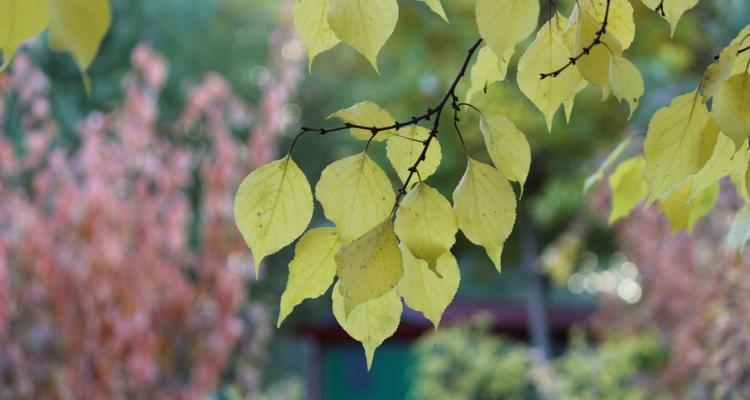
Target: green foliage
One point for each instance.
(469, 362)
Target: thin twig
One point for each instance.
(432, 114)
(586, 50)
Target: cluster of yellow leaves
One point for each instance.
(691, 144)
(77, 26)
(364, 25)
(376, 256)
(385, 248)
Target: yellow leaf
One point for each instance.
(426, 292)
(547, 53)
(371, 323)
(364, 24)
(673, 9)
(505, 23)
(487, 70)
(273, 206)
(312, 270)
(604, 166)
(367, 114)
(724, 159)
(740, 175)
(486, 208)
(79, 26)
(426, 223)
(595, 66)
(682, 213)
(311, 21)
(626, 82)
(508, 147)
(720, 70)
(20, 20)
(437, 8)
(370, 266)
(356, 195)
(629, 187)
(680, 140)
(742, 61)
(731, 107)
(620, 23)
(404, 149)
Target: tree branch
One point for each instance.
(586, 50)
(432, 114)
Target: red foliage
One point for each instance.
(102, 294)
(696, 291)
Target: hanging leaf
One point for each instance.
(273, 206)
(437, 8)
(426, 292)
(371, 323)
(488, 69)
(20, 20)
(547, 53)
(426, 224)
(311, 21)
(367, 114)
(486, 208)
(505, 23)
(731, 108)
(672, 9)
(508, 147)
(626, 82)
(628, 186)
(312, 270)
(404, 149)
(356, 195)
(79, 26)
(364, 24)
(680, 140)
(369, 266)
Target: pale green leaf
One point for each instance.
(404, 149)
(626, 82)
(312, 270)
(311, 21)
(273, 206)
(486, 208)
(370, 115)
(507, 146)
(731, 107)
(79, 26)
(364, 24)
(437, 8)
(371, 323)
(20, 20)
(628, 186)
(356, 195)
(680, 140)
(683, 213)
(488, 69)
(505, 23)
(426, 292)
(673, 9)
(426, 223)
(370, 266)
(547, 53)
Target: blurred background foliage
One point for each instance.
(235, 68)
